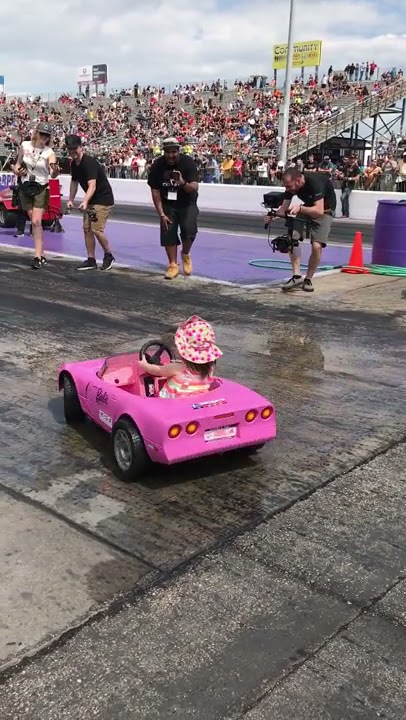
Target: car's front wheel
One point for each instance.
(71, 403)
(129, 450)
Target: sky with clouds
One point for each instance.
(44, 43)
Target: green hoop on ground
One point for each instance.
(390, 270)
(387, 270)
(269, 264)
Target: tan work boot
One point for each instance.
(187, 264)
(172, 271)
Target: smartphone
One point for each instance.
(175, 175)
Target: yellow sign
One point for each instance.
(305, 54)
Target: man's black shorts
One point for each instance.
(184, 219)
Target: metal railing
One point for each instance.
(322, 130)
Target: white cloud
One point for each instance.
(43, 44)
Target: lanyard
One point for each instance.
(36, 159)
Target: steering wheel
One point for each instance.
(155, 357)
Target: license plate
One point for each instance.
(220, 434)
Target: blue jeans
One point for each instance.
(345, 200)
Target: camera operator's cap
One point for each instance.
(73, 141)
(45, 128)
(170, 144)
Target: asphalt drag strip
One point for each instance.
(342, 230)
(303, 617)
(332, 363)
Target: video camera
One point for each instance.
(272, 201)
(282, 243)
(90, 212)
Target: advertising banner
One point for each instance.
(6, 179)
(84, 74)
(99, 74)
(305, 54)
(1, 84)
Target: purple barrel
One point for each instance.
(389, 247)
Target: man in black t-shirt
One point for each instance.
(174, 182)
(87, 172)
(309, 198)
(310, 164)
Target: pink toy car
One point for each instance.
(121, 398)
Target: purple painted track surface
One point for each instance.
(216, 255)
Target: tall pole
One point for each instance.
(286, 105)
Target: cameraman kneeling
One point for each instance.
(317, 207)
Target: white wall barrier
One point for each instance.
(239, 198)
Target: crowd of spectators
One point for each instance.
(385, 169)
(233, 132)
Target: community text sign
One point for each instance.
(305, 54)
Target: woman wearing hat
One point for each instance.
(36, 163)
(195, 343)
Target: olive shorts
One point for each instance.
(319, 229)
(40, 201)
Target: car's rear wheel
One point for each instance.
(129, 450)
(8, 218)
(71, 403)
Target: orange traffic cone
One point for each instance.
(356, 262)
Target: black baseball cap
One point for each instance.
(73, 141)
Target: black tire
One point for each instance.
(8, 218)
(71, 404)
(129, 450)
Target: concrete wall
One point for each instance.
(237, 198)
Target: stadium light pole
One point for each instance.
(286, 105)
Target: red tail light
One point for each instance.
(174, 431)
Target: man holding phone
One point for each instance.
(174, 182)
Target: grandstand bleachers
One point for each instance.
(242, 121)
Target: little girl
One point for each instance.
(192, 373)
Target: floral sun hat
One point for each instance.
(196, 341)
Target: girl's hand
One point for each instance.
(144, 364)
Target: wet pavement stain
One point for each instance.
(334, 369)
